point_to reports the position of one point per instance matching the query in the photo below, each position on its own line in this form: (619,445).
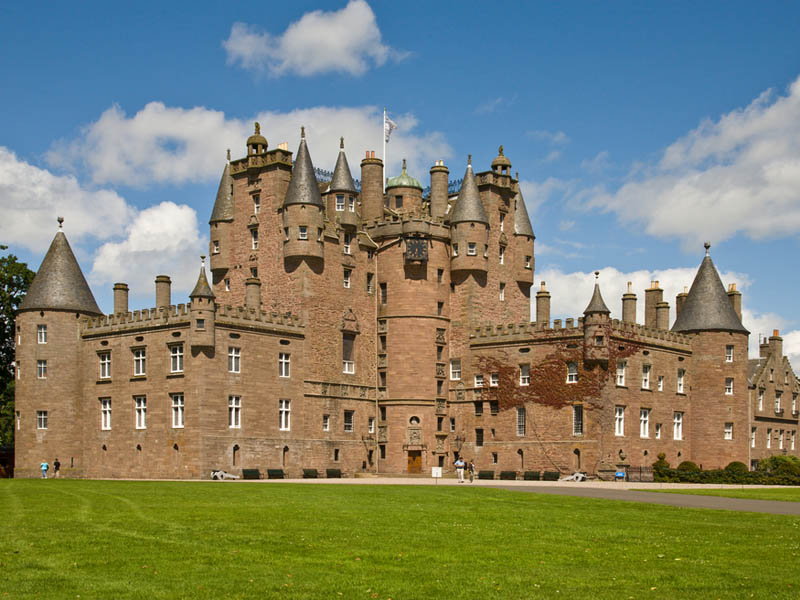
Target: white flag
(388,127)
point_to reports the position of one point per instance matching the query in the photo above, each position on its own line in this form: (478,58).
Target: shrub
(485,474)
(661,468)
(737,468)
(688,466)
(508,475)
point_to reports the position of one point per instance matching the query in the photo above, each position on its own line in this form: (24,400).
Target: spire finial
(341,142)
(404,165)
(469,159)
(302,131)
(500,149)
(596,275)
(229,155)
(707,245)
(60,223)
(258,128)
(202,262)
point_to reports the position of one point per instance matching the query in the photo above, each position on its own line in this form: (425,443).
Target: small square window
(728,431)
(478,381)
(340,203)
(494,379)
(728,386)
(455,369)
(302,232)
(472,249)
(41,334)
(572,372)
(524,375)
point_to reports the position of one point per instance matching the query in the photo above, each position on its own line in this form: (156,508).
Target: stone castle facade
(383,331)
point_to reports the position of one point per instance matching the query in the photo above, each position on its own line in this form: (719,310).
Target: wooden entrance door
(415,461)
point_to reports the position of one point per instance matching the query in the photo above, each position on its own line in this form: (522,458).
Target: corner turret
(203,311)
(221,222)
(303,210)
(596,328)
(523,240)
(341,193)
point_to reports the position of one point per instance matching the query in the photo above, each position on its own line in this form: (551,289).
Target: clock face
(416,249)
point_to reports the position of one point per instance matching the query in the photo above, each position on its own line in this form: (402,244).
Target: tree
(15,277)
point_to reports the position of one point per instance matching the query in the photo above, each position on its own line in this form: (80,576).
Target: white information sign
(436,472)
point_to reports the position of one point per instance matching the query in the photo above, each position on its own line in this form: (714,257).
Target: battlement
(179,316)
(275,156)
(649,334)
(407,223)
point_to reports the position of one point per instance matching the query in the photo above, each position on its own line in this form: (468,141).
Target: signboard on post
(436,472)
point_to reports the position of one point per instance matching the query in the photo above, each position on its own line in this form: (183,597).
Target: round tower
(341,195)
(469,228)
(439,188)
(203,311)
(371,188)
(48,389)
(303,210)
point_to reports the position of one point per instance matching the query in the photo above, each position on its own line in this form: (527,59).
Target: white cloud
(791,348)
(555,138)
(346,40)
(740,173)
(600,162)
(161,144)
(571,292)
(163,239)
(537,193)
(32,198)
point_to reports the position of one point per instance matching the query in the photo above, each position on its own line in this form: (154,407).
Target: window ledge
(623,387)
(103,381)
(647,389)
(139,378)
(175,376)
(680,393)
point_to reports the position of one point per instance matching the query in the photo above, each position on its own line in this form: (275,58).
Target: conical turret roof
(59,284)
(303,188)
(342,180)
(596,304)
(201,288)
(223,205)
(707,307)
(522,222)
(468,204)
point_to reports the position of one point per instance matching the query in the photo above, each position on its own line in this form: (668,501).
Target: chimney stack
(735,297)
(439,187)
(776,345)
(163,294)
(543,307)
(679,300)
(662,315)
(252,293)
(371,187)
(120,298)
(629,305)
(652,297)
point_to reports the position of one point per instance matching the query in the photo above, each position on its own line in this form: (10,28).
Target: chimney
(371,187)
(120,298)
(652,297)
(763,346)
(629,305)
(776,345)
(543,307)
(252,293)
(163,295)
(662,315)
(736,299)
(439,187)
(679,300)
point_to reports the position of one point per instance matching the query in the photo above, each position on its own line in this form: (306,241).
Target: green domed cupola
(403,180)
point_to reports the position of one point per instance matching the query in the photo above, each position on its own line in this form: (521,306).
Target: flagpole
(384,149)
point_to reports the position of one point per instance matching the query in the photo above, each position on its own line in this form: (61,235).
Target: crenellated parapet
(649,335)
(175,316)
(408,224)
(278,156)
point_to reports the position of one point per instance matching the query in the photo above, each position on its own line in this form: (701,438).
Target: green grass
(112,540)
(784,494)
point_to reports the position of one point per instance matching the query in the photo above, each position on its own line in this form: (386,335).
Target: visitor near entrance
(56,468)
(459,465)
(44,466)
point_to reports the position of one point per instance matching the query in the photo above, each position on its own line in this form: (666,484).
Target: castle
(383,331)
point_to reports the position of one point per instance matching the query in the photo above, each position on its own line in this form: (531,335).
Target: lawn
(785,494)
(113,540)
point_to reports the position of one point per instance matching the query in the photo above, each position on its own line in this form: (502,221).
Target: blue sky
(639,130)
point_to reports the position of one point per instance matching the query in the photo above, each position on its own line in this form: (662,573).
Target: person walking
(471,469)
(44,466)
(56,468)
(459,465)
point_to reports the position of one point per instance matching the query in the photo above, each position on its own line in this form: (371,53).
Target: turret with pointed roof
(223,205)
(468,205)
(303,188)
(522,222)
(201,288)
(596,328)
(59,284)
(342,180)
(596,304)
(303,209)
(203,311)
(707,306)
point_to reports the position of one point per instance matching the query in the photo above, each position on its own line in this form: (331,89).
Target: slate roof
(707,307)
(201,288)
(753,367)
(303,188)
(342,180)
(59,283)
(468,207)
(223,205)
(596,304)
(522,223)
